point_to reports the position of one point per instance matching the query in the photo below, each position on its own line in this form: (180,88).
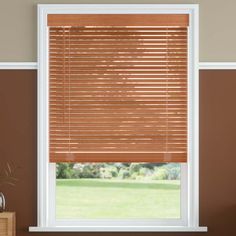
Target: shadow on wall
(226,217)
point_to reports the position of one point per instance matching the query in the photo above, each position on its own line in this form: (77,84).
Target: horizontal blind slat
(107,156)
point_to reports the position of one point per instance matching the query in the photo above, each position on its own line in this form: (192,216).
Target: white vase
(2,202)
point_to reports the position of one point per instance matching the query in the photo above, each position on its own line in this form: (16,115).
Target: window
(118,92)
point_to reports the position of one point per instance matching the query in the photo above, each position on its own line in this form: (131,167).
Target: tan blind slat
(118,93)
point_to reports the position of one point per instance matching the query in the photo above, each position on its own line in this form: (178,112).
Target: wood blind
(118,88)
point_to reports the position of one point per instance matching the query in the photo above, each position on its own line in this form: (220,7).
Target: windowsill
(118,229)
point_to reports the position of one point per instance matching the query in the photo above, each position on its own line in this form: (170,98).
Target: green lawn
(98,198)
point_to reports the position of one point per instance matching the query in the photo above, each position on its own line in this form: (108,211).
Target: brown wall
(18,120)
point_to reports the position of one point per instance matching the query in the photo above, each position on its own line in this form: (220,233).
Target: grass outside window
(117,198)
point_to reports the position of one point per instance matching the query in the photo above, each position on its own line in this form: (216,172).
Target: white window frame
(46,221)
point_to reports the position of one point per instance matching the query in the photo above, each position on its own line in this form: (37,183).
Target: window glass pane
(117,190)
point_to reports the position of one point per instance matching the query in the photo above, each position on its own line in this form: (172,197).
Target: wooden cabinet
(7,224)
